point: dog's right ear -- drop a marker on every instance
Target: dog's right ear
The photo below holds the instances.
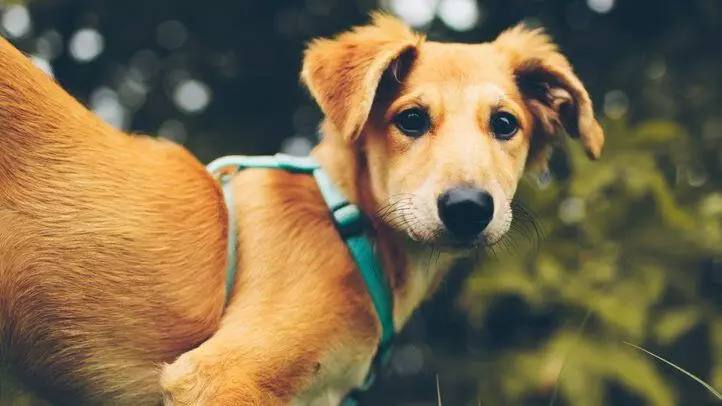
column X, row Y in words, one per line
column 343, row 73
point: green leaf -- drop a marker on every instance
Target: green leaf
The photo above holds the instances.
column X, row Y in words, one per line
column 675, row 323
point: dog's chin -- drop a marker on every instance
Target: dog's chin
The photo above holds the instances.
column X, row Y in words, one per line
column 440, row 240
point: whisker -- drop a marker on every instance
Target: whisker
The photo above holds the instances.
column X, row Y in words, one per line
column 527, row 223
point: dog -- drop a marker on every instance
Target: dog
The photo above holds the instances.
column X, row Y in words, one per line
column 433, row 139
column 112, row 248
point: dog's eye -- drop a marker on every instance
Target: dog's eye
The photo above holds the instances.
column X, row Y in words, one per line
column 413, row 122
column 504, row 125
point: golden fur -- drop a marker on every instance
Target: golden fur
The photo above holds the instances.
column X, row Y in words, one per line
column 112, row 247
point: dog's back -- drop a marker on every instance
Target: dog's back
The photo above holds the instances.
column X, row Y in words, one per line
column 100, row 280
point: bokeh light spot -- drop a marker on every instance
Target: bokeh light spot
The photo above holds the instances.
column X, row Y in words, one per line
column 192, row 96
column 656, row 70
column 171, row 34
column 697, row 175
column 305, row 119
column 298, row 146
column 86, row 44
column 616, row 104
column 416, row 13
column 49, row 45
column 105, row 104
column 173, row 130
column 132, row 91
column 601, row 6
column 408, row 360
column 460, row 15
column 144, row 64
column 16, row 21
column 572, row 210
column 42, row 64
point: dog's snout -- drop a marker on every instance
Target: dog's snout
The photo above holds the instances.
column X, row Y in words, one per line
column 466, row 211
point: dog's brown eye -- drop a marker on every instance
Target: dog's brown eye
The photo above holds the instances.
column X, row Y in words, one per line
column 504, row 125
column 413, row 122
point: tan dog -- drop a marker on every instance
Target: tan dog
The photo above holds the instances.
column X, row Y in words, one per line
column 112, row 248
column 431, row 137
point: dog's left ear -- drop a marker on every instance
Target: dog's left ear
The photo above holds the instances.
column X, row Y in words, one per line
column 552, row 92
column 343, row 73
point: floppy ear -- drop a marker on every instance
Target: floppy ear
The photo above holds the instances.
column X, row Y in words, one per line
column 343, row 73
column 552, row 92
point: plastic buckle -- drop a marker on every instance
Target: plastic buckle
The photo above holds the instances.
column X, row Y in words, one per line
column 349, row 220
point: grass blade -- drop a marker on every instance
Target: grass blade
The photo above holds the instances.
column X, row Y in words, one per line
column 438, row 390
column 680, row 369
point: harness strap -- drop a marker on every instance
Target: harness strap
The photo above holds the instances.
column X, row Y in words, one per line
column 349, row 222
column 232, row 245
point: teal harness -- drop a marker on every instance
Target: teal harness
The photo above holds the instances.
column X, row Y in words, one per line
column 350, row 224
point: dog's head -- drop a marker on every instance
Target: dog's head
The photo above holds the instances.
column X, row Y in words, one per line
column 446, row 130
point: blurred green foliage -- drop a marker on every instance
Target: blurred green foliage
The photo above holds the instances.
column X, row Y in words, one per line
column 632, row 244
column 630, row 263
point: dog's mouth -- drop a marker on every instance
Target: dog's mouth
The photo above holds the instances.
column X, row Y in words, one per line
column 454, row 244
column 466, row 245
column 421, row 225
column 440, row 239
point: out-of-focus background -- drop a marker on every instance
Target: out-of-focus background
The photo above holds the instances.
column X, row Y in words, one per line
column 632, row 247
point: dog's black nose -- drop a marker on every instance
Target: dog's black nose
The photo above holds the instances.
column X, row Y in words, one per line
column 466, row 211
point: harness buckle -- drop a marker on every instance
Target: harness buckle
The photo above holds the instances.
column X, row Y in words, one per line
column 349, row 220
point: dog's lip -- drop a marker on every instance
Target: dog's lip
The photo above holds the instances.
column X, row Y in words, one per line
column 464, row 245
column 461, row 244
column 444, row 241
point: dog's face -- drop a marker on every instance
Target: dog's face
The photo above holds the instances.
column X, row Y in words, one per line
column 446, row 130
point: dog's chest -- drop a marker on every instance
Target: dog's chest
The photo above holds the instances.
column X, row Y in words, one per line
column 341, row 370
column 346, row 366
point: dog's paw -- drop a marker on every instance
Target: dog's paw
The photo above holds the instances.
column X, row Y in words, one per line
column 182, row 384
column 201, row 381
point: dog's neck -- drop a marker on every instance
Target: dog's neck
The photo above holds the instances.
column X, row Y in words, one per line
column 413, row 271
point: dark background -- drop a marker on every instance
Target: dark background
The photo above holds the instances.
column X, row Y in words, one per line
column 632, row 244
